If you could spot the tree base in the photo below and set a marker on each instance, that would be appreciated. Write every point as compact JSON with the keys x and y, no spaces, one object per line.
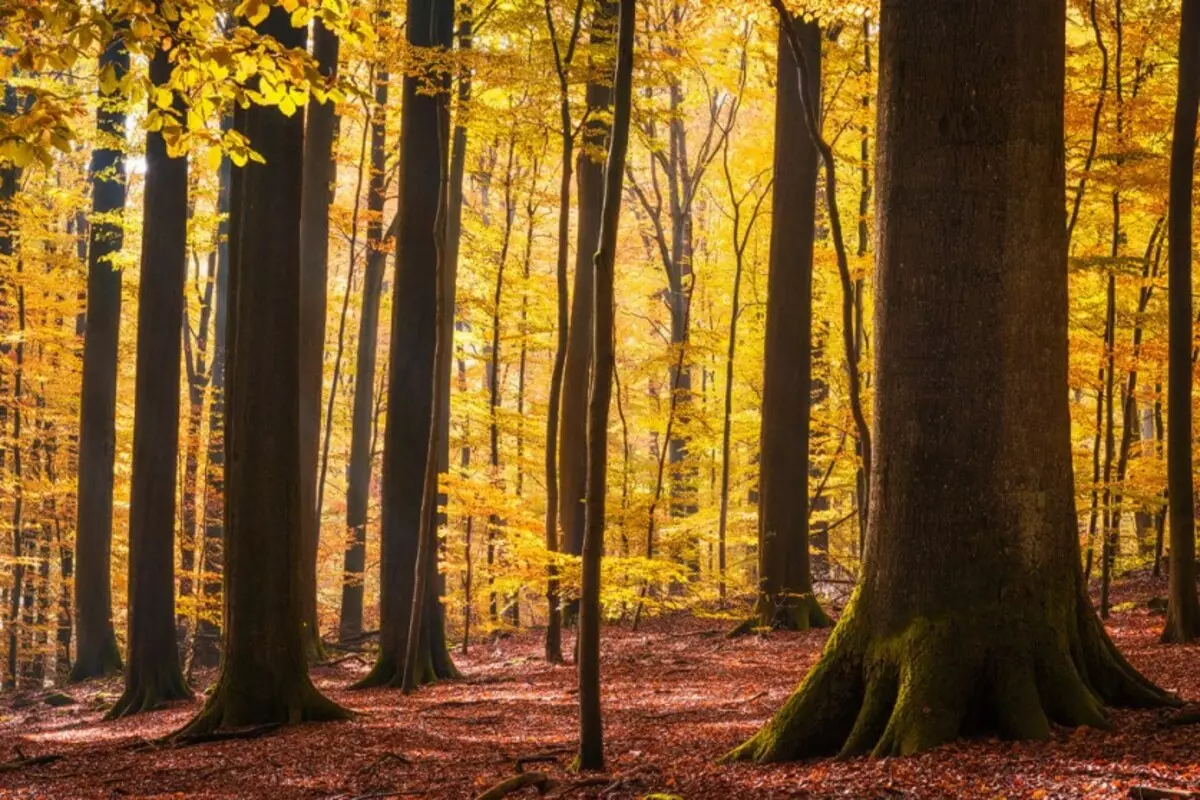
{"x":798,"y":613}
{"x":388,"y":672}
{"x":232,"y":707}
{"x":940,"y":679}
{"x":150,"y":694}
{"x":100,"y":664}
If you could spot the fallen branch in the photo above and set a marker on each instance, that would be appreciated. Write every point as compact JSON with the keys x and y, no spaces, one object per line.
{"x":224,"y":736}
{"x":1185,"y":716}
{"x":336,"y":661}
{"x":20,"y":762}
{"x":541,"y":758}
{"x":583,"y":783}
{"x":539,"y":780}
{"x":1155,"y":793}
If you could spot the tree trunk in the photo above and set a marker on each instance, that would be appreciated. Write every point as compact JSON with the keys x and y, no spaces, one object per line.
{"x":972,"y":489}
{"x":264,"y":671}
{"x":206,"y":642}
{"x":96,"y":652}
{"x":153,"y":674}
{"x":358,"y":489}
{"x":424,"y":148}
{"x":786,"y":596}
{"x":572,"y":447}
{"x":591,"y":739}
{"x":1183,"y":610}
{"x":319,"y":177}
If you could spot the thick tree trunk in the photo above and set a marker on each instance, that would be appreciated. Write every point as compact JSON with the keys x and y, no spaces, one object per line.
{"x":1183,"y":610}
{"x":319,"y":176}
{"x":424,"y":145}
{"x":96,"y":651}
{"x":153,"y":674}
{"x":206,"y":642}
{"x":358,"y":489}
{"x":972,"y":488}
{"x":786,"y":596}
{"x":591,"y":738}
{"x":264,"y":671}
{"x":572,"y":446}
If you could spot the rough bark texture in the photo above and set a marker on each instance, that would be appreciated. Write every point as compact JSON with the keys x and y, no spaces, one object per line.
{"x":358,"y":485}
{"x":1183,"y":610}
{"x":591,"y":739}
{"x":319,"y":176}
{"x":424,"y":140}
{"x":96,"y":651}
{"x":153,"y":674}
{"x":572,"y":459}
{"x":786,"y":598}
{"x":971,"y":614}
{"x":264,"y":670}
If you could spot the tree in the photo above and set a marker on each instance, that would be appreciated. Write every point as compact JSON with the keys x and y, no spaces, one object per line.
{"x":973,"y":492}
{"x":152,"y":672}
{"x":1183,"y":610}
{"x":424,"y":140}
{"x":264,"y":670}
{"x":358,"y":481}
{"x":319,"y":177}
{"x":96,"y":651}
{"x":786,"y":597}
{"x":591,"y":739}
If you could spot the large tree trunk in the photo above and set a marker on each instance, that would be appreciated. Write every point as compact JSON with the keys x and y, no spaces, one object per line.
{"x":264,"y":671}
{"x":591,"y":739}
{"x":152,"y":672}
{"x":206,"y":642}
{"x":358,"y":488}
{"x":572,"y":447}
{"x":424,"y":146}
{"x":786,"y":596}
{"x":972,"y":489}
{"x":1183,"y":610}
{"x":96,"y":651}
{"x":319,"y":176}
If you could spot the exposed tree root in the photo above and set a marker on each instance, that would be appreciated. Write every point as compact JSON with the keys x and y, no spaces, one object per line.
{"x":21,"y":762}
{"x":516,"y":783}
{"x":149,"y":694}
{"x":793,"y":612}
{"x":937,"y":680}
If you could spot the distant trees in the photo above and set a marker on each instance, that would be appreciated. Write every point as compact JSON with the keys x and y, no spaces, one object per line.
{"x":973,"y":489}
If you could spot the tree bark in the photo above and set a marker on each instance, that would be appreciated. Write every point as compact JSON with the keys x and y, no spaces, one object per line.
{"x":1183,"y":610}
{"x":973,"y":486}
{"x":319,"y":178}
{"x":358,"y":490}
{"x":786,"y":597}
{"x":264,"y":670}
{"x":153,"y":675}
{"x":96,"y":651}
{"x":591,"y":738}
{"x":424,"y":139}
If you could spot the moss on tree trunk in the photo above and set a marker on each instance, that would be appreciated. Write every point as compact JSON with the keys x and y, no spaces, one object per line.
{"x":972,"y":614}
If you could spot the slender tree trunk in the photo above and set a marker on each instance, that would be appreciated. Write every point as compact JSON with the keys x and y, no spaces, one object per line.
{"x":319,"y":177}
{"x":424,"y":139}
{"x":358,"y":490}
{"x":264,"y":671}
{"x":96,"y":651}
{"x":591,"y":739}
{"x":17,"y":625}
{"x":153,"y":674}
{"x":206,"y":643}
{"x":1183,"y":610}
{"x":973,"y":489}
{"x":572,"y":448}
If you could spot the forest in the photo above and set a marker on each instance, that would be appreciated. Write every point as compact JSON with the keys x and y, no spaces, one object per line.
{"x":649,"y":399}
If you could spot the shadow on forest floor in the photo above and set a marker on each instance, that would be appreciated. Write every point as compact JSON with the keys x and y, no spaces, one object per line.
{"x":677,"y":696}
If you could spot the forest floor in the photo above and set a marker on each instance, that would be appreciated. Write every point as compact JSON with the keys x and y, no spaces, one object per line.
{"x":677,"y":693}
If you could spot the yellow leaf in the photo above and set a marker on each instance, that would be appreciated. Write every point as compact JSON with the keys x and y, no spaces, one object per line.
{"x":163,"y":97}
{"x":213,"y":158}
